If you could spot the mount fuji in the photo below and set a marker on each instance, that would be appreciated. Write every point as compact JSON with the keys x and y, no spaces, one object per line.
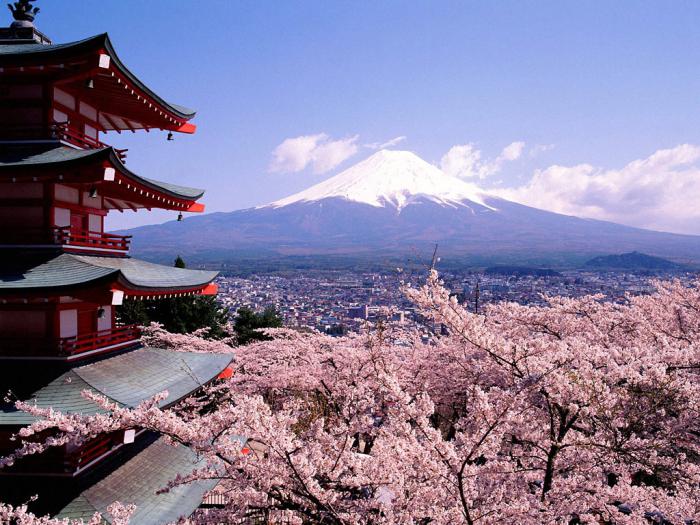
{"x":393,"y":179}
{"x":393,"y":206}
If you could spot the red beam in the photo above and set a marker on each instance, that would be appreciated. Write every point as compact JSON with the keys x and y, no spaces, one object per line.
{"x":196,"y":208}
{"x":188,"y":128}
{"x":210,"y":289}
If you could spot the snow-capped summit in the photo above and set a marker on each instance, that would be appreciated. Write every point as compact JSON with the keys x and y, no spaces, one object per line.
{"x":391,"y":178}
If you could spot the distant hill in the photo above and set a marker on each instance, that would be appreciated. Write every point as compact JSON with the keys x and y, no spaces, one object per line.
{"x":394,"y":206}
{"x":521,"y":271}
{"x":633,"y":261}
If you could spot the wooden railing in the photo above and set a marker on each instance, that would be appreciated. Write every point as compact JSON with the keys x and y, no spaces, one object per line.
{"x":58,"y":131}
{"x":90,"y":239}
{"x":90,"y":451}
{"x":71,"y":346}
{"x":59,"y":461}
{"x":67,"y":346}
{"x":63,"y":131}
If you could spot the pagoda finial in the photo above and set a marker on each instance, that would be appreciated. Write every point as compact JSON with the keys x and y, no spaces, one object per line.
{"x":23,"y":12}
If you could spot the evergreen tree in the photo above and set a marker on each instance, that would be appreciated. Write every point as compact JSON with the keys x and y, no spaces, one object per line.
{"x":180,"y":315}
{"x":248,"y":323}
{"x":133,"y":311}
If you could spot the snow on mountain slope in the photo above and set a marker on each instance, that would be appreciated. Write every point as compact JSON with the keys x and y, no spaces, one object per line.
{"x":391,"y":178}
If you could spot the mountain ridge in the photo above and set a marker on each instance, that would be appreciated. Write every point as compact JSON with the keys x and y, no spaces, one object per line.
{"x":397,"y":206}
{"x":633,"y":261}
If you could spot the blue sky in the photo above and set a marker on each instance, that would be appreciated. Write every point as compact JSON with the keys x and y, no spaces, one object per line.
{"x":588,"y":87}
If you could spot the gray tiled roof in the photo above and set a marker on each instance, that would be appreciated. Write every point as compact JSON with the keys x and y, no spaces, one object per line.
{"x":137,"y":481}
{"x":13,"y":158}
{"x":25,"y":54}
{"x":36,"y":155}
{"x":174,"y":189}
{"x":60,"y":270}
{"x":143,"y":274}
{"x":48,"y":270}
{"x":32,"y":49}
{"x":64,"y":393}
{"x":126,"y":379}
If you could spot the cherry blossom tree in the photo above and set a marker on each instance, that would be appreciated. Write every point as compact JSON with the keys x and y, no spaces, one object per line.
{"x":119,"y":515}
{"x":583,"y":411}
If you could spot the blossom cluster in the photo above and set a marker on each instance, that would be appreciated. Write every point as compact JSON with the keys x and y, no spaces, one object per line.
{"x":154,"y":335}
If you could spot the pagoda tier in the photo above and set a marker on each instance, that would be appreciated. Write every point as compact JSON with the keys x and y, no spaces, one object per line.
{"x":60,"y":306}
{"x":139,"y":481}
{"x":51,"y":194}
{"x":134,"y":473}
{"x":126,"y":379}
{"x":82,"y":86}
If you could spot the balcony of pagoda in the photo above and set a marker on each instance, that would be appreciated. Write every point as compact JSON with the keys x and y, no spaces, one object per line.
{"x":64,"y":132}
{"x":71,"y":348}
{"x":66,"y":460}
{"x":70,"y":239}
{"x":84,"y":240}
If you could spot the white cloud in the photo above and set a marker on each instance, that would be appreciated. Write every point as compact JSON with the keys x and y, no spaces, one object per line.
{"x":538,"y":149}
{"x":317,"y":151}
{"x":465,"y":161}
{"x":462,"y":161}
{"x":388,"y":144}
{"x":660,"y":192}
{"x":511,"y":152}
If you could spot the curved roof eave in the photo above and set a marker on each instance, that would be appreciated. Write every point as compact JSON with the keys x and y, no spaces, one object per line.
{"x":11,"y":55}
{"x":154,"y":468}
{"x":173,"y":190}
{"x":126,"y":379}
{"x":51,"y":272}
{"x":139,"y":275}
{"x":68,"y":271}
{"x":64,"y":156}
{"x":181,"y":111}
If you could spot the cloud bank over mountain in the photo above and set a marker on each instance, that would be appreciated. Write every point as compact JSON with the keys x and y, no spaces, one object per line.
{"x":318,"y":151}
{"x":659,"y":192}
{"x":466,"y":162}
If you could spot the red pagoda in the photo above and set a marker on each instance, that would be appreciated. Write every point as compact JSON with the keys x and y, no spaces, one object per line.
{"x":62,"y":275}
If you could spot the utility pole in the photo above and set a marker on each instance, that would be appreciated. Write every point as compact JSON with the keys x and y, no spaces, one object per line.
{"x":435,"y":258}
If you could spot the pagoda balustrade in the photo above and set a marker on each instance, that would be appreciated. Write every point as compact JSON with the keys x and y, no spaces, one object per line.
{"x":70,"y":237}
{"x":65,"y":235}
{"x":62,"y":131}
{"x":70,"y":346}
{"x":58,"y":461}
{"x":91,"y":451}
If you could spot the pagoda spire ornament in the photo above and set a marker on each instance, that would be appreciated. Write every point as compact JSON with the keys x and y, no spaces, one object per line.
{"x":23,"y":12}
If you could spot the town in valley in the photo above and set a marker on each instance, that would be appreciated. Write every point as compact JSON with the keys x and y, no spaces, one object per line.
{"x":338,"y":302}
